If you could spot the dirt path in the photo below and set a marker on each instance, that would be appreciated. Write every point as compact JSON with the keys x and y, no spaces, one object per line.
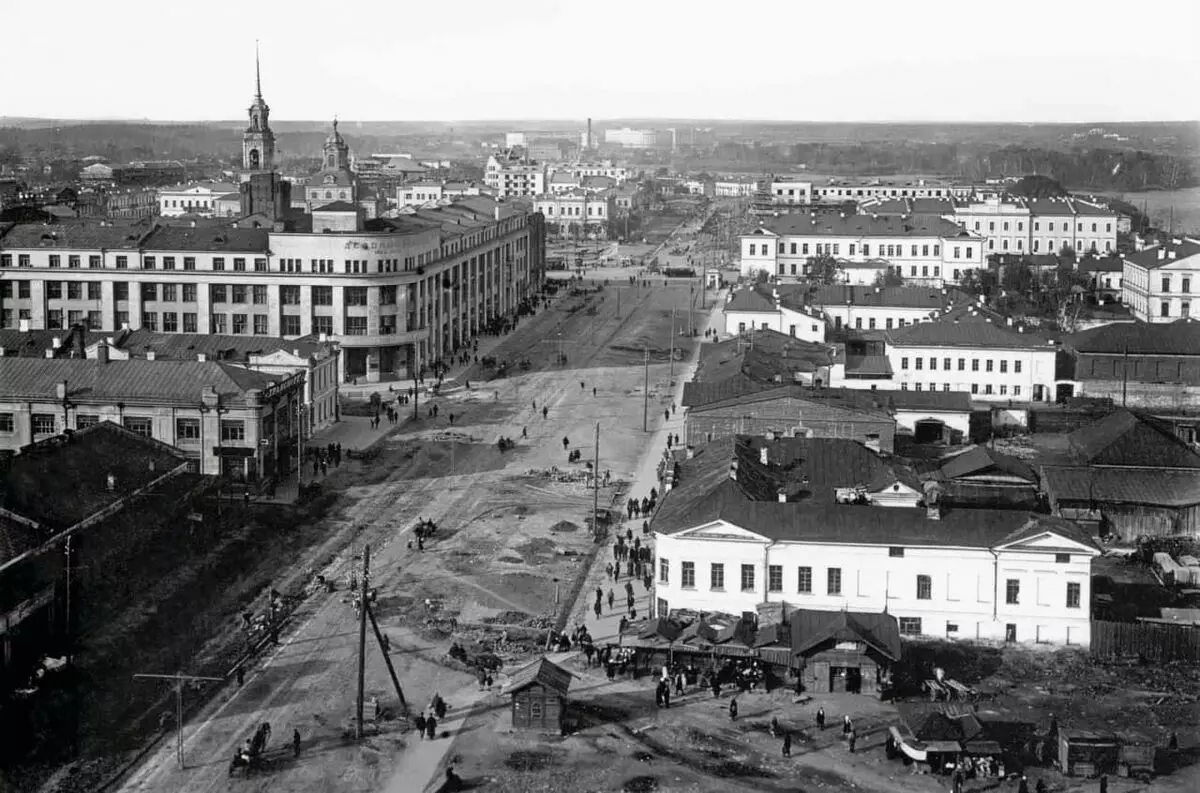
{"x":309,"y":683}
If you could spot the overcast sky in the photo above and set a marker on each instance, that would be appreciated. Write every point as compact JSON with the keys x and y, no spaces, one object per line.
{"x":819,"y":60}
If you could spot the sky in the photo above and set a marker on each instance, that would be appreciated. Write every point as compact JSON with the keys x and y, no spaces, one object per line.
{"x":456,"y":60}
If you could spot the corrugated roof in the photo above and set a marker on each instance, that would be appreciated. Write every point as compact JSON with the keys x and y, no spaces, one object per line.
{"x":542,"y":671}
{"x":1124,"y":438}
{"x":750,"y":300}
{"x":1149,"y":486}
{"x":866,"y":403}
{"x":134,"y":381}
{"x":1181,"y":337}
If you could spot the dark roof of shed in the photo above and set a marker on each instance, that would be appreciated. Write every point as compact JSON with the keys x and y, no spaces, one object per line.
{"x":1181,"y":337}
{"x":61,"y":484}
{"x":80,"y":235}
{"x":811,"y":627}
{"x":750,"y":300}
{"x":946,"y":401}
{"x":1124,"y":438}
{"x":542,"y":671}
{"x":979,"y":459}
{"x":1149,"y":486}
{"x":888,"y":296}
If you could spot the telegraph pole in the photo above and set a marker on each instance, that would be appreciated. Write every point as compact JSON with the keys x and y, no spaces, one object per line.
{"x":674,"y":308}
{"x":646,"y":392}
{"x":386,"y":658}
{"x":362,"y":638}
{"x":596,"y":487}
{"x":179,"y":679}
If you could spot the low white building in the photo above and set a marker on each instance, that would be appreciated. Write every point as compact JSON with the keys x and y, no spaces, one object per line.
{"x":754,"y":309}
{"x":585,"y":212}
{"x":787,"y":191}
{"x":878,"y":308}
{"x":760,"y":534}
{"x":631,"y":138}
{"x":197,"y":198}
{"x":735,"y":188}
{"x":926,"y":250}
{"x":1157,"y":283}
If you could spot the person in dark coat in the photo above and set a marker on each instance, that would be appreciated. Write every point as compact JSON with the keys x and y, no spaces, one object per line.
{"x":847,"y":725}
{"x":296,"y":743}
{"x":716,"y":687}
{"x":1023,"y":785}
{"x":820,"y":718}
{"x":853,"y":739}
{"x":1104,"y":783}
{"x":431,"y":727}
{"x":787,"y":744}
{"x":419,"y":723}
{"x":733,"y":709}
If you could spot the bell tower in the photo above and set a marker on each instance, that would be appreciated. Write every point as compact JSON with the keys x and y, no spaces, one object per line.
{"x":258,"y":141}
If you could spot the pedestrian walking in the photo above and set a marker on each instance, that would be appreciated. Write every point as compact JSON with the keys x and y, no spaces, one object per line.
{"x":733,"y":709}
{"x":296,"y":743}
{"x":597,"y":609}
{"x":566,"y":442}
{"x":611,"y":597}
{"x":1104,"y":783}
{"x":716,"y":687}
{"x":853,"y":739}
{"x":582,"y":385}
{"x":787,"y":744}
{"x":593,"y":391}
{"x":820,"y":718}
{"x":431,"y":727}
{"x":419,"y":723}
{"x":847,"y":725}
{"x":545,"y":412}
{"x":1023,"y":785}
{"x":667,"y":415}
{"x":524,"y":432}
{"x":241,"y":676}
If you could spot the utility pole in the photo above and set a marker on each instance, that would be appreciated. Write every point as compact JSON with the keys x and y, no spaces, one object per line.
{"x":362,"y":638}
{"x":1124,"y":374}
{"x":386,"y":658}
{"x":674,"y":308}
{"x":179,"y":679}
{"x":596,"y":487}
{"x":646,"y":392}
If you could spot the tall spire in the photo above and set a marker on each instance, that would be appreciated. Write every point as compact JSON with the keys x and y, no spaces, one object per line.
{"x":257,"y":74}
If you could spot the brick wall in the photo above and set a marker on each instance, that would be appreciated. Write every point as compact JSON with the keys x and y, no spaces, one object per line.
{"x":1158,"y":396}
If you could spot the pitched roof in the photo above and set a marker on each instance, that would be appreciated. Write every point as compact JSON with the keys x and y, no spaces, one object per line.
{"x":830,"y":225}
{"x":964,"y":328}
{"x":1124,"y":438}
{"x":710,"y":396}
{"x":947,"y":401}
{"x":978,"y":460}
{"x":1150,"y":260}
{"x":543,"y":671}
{"x":186,"y":346}
{"x":1181,"y":337}
{"x":766,"y":357}
{"x":908,"y":206}
{"x":1150,"y":486}
{"x":888,"y":296}
{"x":750,"y":300}
{"x":135,"y":381}
{"x":58,"y":485}
{"x":186,"y":238}
{"x":78,"y":235}
{"x":811,"y":628}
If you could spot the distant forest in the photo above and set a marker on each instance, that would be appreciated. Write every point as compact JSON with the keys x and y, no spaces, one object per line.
{"x":1096,"y":168}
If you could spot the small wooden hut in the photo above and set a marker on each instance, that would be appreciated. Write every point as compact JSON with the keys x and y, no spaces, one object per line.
{"x":539,"y":696}
{"x":843,"y":651}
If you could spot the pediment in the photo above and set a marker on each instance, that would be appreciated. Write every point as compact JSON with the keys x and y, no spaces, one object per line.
{"x":720,"y":530}
{"x":1049,"y":541}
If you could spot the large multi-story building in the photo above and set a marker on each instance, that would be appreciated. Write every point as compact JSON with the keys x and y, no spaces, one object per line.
{"x":631,"y":138}
{"x":1157,"y":283}
{"x":509,"y":175}
{"x":930,"y":251}
{"x":839,"y":190}
{"x":394,"y":294}
{"x":581,"y":211}
{"x":582,"y":170}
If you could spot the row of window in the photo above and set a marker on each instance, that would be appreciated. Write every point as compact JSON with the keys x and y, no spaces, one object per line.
{"x":989,"y":364}
{"x":834,"y":249}
{"x":232,"y":430}
{"x":987,"y":388}
{"x":833,"y":580}
{"x":1037,"y":226}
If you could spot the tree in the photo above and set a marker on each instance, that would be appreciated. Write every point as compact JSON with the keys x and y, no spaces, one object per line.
{"x":979,"y":282}
{"x":1038,"y":186}
{"x":889,"y":277}
{"x":1066,"y":253}
{"x":822,"y":269}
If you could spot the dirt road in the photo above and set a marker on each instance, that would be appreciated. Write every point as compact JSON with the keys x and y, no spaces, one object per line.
{"x":511,"y":542}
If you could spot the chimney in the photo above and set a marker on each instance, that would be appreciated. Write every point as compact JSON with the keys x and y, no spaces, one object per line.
{"x":50,"y":353}
{"x":23,"y":325}
{"x":201,"y":357}
{"x":56,"y":342}
{"x":60,"y":390}
{"x":764,"y":456}
{"x":110,"y":483}
{"x":1162,"y":254}
{"x":102,"y":353}
{"x":782,"y":496}
{"x":1171,"y":254}
{"x":691,"y":452}
{"x":149,"y":355}
{"x":934,"y":511}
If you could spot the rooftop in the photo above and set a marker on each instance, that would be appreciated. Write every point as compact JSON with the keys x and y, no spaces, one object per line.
{"x":1149,"y":486}
{"x":1165,"y":255}
{"x":965,"y":328}
{"x":887,"y":296}
{"x":1127,"y":439}
{"x":135,"y":381}
{"x":1181,"y":337}
{"x":979,"y":460}
{"x":186,"y":346}
{"x":60,"y":484}
{"x":88,"y":236}
{"x":811,"y":628}
{"x":542,"y":671}
{"x":830,"y":225}
{"x":185,"y":238}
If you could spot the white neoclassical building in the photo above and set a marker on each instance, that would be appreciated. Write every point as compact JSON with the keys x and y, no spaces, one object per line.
{"x":749,"y":526}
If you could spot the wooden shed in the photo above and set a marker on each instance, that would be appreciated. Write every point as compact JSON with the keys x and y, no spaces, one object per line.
{"x":1088,"y":753}
{"x":843,"y":651}
{"x":539,"y":696}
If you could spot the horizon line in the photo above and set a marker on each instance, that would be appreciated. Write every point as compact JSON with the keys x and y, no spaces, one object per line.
{"x":725,"y":120}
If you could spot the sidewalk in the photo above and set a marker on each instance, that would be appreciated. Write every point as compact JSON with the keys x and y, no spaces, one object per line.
{"x":606,"y":628}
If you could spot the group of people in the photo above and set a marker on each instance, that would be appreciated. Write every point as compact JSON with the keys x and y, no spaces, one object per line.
{"x":426,"y":721}
{"x":322,"y":458}
{"x":635,"y":508}
{"x":635,"y":556}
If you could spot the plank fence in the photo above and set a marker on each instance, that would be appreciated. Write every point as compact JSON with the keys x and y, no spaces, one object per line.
{"x":1153,"y":641}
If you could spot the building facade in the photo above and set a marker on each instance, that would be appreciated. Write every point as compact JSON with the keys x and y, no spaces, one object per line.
{"x":1157,"y":283}
{"x":631,"y":138}
{"x":508,"y":175}
{"x":577,"y":212}
{"x":193,"y":199}
{"x":258,"y":141}
{"x":791,"y":192}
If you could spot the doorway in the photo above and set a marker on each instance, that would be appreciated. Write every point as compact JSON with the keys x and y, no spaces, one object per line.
{"x":929,"y":431}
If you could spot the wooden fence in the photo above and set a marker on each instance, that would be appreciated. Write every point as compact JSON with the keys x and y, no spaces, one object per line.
{"x":1150,"y":640}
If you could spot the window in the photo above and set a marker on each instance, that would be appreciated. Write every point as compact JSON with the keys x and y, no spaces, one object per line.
{"x":290,"y":325}
{"x":290,"y":295}
{"x":987,"y":389}
{"x":189,"y":262}
{"x":896,"y":552}
{"x":85,"y":420}
{"x":74,"y":290}
{"x":924,"y":587}
{"x":218,"y":263}
{"x":904,"y":363}
{"x":237,"y":293}
{"x":169,"y":293}
{"x":951,"y":629}
{"x":1165,"y":310}
{"x":44,"y":424}
{"x":259,"y":294}
{"x":233,"y":430}
{"x":322,"y":295}
{"x":1062,"y":558}
{"x":260,"y":265}
{"x":189,"y":293}
{"x":150,"y":320}
{"x":55,"y":260}
{"x":239,"y":265}
{"x":6,"y":423}
{"x":139,"y":425}
{"x":322,"y":325}
{"x":168,"y":262}
{"x":1017,"y":367}
{"x":217,"y":293}
{"x":356,"y":326}
{"x":148,"y":263}
{"x":54,"y":290}
{"x":990,"y":364}
{"x":1012,"y":592}
{"x":189,"y":323}
{"x":920,"y":363}
{"x":1074,"y":594}
{"x":170,"y":322}
{"x":356,"y":295}
{"x":804,"y":580}
{"x":664,"y":570}
{"x":716,"y":576}
{"x":833,"y":581}
{"x":260,"y":324}
{"x":974,"y":364}
{"x":974,"y":388}
{"x":962,"y":364}
{"x":687,"y":575}
{"x":747,"y":578}
{"x":187,"y":429}
{"x":775,"y":578}
{"x":910,"y":626}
